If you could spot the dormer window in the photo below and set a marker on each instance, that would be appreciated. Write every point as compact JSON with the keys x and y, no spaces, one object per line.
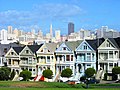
{"x":12,"y":53}
{"x":45,"y":50}
{"x":85,"y":47}
{"x":27,"y":51}
{"x":64,"y":48}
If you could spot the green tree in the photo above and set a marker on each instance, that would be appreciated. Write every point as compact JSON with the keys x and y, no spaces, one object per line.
{"x":89,"y":72}
{"x":4,"y":73}
{"x":48,"y":73}
{"x":26,"y":75}
{"x":66,"y":73}
{"x":116,"y":70}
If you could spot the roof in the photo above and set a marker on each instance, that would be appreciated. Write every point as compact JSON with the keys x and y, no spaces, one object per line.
{"x":6,"y":47}
{"x":34,"y":48}
{"x":95,"y":43}
{"x":73,"y":44}
{"x":115,"y":41}
{"x":18,"y":49}
{"x":51,"y":46}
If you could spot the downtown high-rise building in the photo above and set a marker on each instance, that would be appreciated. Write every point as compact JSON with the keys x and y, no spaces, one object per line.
{"x":70,"y":28}
{"x":10,"y":31}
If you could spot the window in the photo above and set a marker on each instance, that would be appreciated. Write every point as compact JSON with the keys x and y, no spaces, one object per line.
{"x":9,"y":61}
{"x":30,"y":69}
{"x":111,"y":64}
{"x":89,"y":65}
{"x":5,"y":50}
{"x":30,"y":60}
{"x":64,"y":48}
{"x":27,"y":51}
{"x":67,"y":57}
{"x":71,"y":57}
{"x":12,"y":53}
{"x":45,"y":50}
{"x":41,"y":50}
{"x":85,"y":47}
{"x":60,"y":57}
{"x":88,"y":57}
{"x":92,"y":56}
{"x":48,"y":58}
{"x":110,"y":54}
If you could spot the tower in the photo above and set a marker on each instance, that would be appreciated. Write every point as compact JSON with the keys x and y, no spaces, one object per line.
{"x":70,"y":28}
{"x":10,"y":30}
{"x":51,"y":34}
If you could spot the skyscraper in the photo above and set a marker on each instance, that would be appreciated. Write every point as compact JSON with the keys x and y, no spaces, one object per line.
{"x":70,"y":28}
{"x":10,"y":30}
{"x":51,"y":33}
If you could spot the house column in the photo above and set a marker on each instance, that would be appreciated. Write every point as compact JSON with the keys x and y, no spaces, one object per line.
{"x":108,"y":68}
{"x":91,"y":57}
{"x":62,"y":58}
{"x":76,"y":67}
{"x":108,"y":54}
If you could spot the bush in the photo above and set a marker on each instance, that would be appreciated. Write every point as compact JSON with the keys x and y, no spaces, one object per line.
{"x":26,"y":75}
{"x":4,"y":73}
{"x":116,"y":70}
{"x":48,"y":73}
{"x":66,"y":73}
{"x":89,"y":72}
{"x":12,"y":75}
{"x":83,"y":78}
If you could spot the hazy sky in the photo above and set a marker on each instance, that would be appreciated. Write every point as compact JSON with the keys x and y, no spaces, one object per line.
{"x":39,"y":14}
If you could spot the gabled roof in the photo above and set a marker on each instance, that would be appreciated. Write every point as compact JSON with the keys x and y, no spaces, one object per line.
{"x":95,"y":43}
{"x":51,"y":46}
{"x":18,"y":49}
{"x":73,"y":44}
{"x":117,"y":40}
{"x":114,"y":41}
{"x":34,"y":48}
{"x":7,"y":47}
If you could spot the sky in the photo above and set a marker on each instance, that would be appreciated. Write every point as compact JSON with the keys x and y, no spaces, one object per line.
{"x":40,"y":14}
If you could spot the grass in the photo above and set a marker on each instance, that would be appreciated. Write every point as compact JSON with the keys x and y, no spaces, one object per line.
{"x":26,"y":85}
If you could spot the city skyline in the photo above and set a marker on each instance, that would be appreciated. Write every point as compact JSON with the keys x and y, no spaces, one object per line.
{"x":40,"y":14}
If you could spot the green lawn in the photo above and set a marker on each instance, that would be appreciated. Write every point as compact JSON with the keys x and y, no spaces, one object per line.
{"x":57,"y":89}
{"x":22,"y":85}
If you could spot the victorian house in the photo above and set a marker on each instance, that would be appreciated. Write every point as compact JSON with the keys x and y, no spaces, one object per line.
{"x":13,"y":58}
{"x":28,"y":58}
{"x":46,"y":57}
{"x":85,"y":56}
{"x":65,"y":55}
{"x":109,"y":54}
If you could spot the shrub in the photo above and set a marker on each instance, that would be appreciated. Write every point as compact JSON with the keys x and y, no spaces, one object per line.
{"x":26,"y":75}
{"x":48,"y":73}
{"x":4,"y":73}
{"x":82,"y":78}
{"x":116,"y":70}
{"x":89,"y":72}
{"x":66,"y":73}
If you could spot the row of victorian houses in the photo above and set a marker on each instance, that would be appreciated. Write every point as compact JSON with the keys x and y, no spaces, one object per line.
{"x":76,"y":55}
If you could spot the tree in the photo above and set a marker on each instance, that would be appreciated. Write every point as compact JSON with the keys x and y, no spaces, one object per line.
{"x":116,"y":70}
{"x":89,"y":72}
{"x":4,"y":73}
{"x":48,"y":73}
{"x":26,"y":75}
{"x":66,"y":73}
